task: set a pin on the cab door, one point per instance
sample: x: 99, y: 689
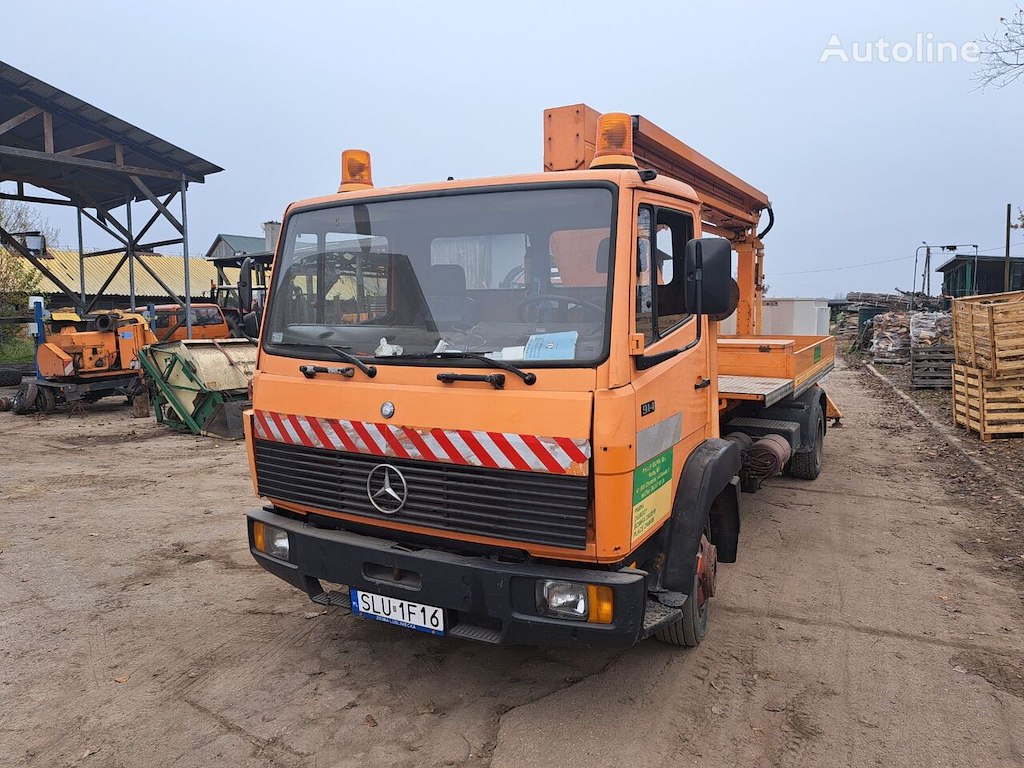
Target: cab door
x: 671, y: 394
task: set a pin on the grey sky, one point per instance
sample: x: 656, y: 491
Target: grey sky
x: 862, y: 161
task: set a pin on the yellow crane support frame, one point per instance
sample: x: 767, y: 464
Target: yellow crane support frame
x: 730, y: 207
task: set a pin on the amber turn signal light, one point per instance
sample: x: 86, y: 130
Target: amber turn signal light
x: 599, y: 599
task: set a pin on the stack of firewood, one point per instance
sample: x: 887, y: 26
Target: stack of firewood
x: 891, y: 342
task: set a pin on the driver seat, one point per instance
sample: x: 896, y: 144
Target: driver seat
x: 444, y: 288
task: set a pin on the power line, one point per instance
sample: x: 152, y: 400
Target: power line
x: 999, y: 247
x: 835, y: 269
x: 886, y: 261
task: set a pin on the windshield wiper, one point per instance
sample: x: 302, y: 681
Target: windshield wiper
x: 348, y: 357
x: 527, y: 376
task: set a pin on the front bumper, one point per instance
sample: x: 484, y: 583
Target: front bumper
x: 484, y: 599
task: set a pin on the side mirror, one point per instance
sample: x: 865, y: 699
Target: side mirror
x: 251, y: 325
x: 707, y: 266
x: 245, y: 285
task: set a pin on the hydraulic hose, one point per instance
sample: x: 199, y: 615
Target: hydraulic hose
x: 771, y: 223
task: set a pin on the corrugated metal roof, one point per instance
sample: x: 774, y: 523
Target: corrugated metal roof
x: 964, y: 258
x: 171, y: 269
x: 243, y: 243
x: 75, y: 123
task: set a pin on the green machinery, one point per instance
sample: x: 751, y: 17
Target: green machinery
x: 201, y: 385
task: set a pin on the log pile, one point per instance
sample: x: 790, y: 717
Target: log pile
x: 931, y: 329
x: 900, y: 300
x: 891, y: 342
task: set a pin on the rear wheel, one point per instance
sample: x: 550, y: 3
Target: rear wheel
x: 691, y: 627
x: 807, y: 466
x: 46, y: 400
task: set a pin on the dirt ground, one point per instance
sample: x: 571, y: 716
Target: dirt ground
x: 875, y: 618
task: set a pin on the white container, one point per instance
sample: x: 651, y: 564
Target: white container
x: 787, y: 317
x: 794, y: 317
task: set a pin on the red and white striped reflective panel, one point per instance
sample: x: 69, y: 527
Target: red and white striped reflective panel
x: 497, y: 450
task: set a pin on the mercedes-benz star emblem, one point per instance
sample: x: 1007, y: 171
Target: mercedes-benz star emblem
x: 386, y: 488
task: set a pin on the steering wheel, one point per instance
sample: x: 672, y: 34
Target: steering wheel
x: 568, y: 301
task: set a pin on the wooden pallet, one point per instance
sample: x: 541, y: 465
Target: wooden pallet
x: 990, y: 407
x: 931, y: 367
x: 988, y: 333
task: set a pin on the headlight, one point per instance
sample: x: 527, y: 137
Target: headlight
x: 571, y: 600
x: 270, y: 540
x: 564, y: 599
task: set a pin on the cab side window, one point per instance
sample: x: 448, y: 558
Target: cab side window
x: 662, y: 235
x: 644, y: 295
x: 674, y: 230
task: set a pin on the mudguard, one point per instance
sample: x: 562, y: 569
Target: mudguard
x: 711, y: 469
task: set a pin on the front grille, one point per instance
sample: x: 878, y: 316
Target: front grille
x: 505, y: 504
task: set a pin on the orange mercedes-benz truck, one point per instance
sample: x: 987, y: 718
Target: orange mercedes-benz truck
x: 500, y: 408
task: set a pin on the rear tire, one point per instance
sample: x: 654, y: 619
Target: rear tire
x: 807, y: 466
x: 46, y: 400
x: 10, y: 377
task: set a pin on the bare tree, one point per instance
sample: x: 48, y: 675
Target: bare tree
x: 17, y: 279
x: 21, y: 217
x: 1002, y: 54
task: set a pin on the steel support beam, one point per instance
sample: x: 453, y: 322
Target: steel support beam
x: 39, y: 200
x: 155, y: 217
x: 139, y: 247
x: 81, y: 257
x: 84, y: 149
x: 17, y: 120
x: 82, y: 162
x: 106, y: 283
x: 156, y: 203
x: 184, y: 251
x: 170, y: 291
x: 131, y: 256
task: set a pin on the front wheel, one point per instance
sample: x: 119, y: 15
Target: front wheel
x: 690, y: 628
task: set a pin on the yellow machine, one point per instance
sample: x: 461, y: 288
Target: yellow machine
x: 86, y: 358
x: 104, y: 344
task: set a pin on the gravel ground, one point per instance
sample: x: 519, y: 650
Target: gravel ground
x: 874, y: 618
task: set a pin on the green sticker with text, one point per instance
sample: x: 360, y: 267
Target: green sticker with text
x: 652, y: 493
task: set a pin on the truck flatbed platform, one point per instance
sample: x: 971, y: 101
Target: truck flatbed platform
x: 770, y: 369
x: 762, y: 388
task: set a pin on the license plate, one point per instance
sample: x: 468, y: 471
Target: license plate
x: 404, y: 613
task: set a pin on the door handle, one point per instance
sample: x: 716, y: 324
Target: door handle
x: 702, y: 384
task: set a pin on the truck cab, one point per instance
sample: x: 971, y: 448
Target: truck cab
x: 491, y: 408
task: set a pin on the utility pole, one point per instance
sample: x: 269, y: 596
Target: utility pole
x: 1006, y: 262
x: 926, y: 282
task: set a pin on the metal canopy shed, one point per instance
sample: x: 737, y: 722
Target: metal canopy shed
x: 96, y: 163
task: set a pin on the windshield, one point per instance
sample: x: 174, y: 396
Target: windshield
x: 518, y: 275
